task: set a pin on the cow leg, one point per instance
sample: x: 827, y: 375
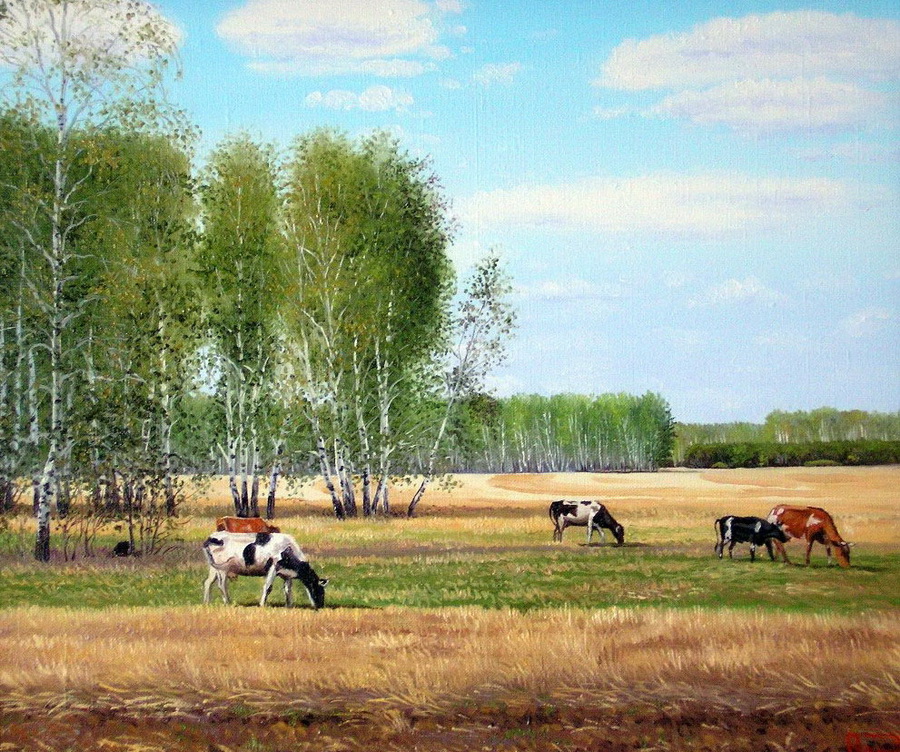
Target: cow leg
x: 222, y: 582
x: 590, y: 530
x: 731, y: 546
x: 752, y: 552
x: 208, y: 584
x: 288, y: 591
x: 267, y: 586
x: 782, y: 551
x: 557, y: 533
x: 809, y: 545
x: 769, y: 549
x: 828, y: 553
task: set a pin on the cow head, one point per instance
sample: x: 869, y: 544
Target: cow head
x: 619, y: 534
x: 842, y: 553
x: 315, y: 586
x: 316, y: 592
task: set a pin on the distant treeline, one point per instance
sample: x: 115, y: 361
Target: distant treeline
x: 563, y: 433
x: 773, y: 454
x: 522, y: 433
x: 814, y: 427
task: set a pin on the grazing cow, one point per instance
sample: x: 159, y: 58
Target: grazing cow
x: 813, y: 524
x: 245, y: 525
x: 260, y: 555
x: 732, y: 530
x: 584, y: 513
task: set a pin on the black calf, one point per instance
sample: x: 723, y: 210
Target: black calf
x: 753, y: 530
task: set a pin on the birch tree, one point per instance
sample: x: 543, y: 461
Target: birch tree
x: 149, y: 318
x: 368, y: 229
x: 483, y: 322
x: 241, y: 264
x: 75, y: 64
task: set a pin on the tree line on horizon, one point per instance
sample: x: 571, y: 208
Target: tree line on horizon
x: 824, y: 436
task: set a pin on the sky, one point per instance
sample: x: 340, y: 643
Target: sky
x: 699, y: 199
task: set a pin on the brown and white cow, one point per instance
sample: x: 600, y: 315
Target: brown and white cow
x: 812, y: 524
x: 245, y: 525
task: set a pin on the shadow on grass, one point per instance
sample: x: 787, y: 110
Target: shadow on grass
x: 306, y: 607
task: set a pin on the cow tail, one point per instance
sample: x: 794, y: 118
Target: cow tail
x: 718, y: 529
x: 206, y: 544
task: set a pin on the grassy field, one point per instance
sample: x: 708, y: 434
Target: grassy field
x: 468, y: 628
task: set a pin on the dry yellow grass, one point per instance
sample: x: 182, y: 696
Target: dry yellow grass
x: 191, y: 659
x: 865, y: 501
x: 387, y: 676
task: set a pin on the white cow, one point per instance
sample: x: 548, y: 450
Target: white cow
x: 260, y: 555
x: 590, y: 514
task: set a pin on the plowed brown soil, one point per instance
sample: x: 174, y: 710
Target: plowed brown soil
x: 688, y: 727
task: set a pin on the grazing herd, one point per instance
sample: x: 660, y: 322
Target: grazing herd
x: 255, y: 548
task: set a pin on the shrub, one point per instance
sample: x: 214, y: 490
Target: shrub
x: 808, y: 454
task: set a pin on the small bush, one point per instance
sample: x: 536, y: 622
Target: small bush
x: 821, y: 463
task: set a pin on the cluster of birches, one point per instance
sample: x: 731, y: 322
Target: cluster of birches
x: 270, y: 308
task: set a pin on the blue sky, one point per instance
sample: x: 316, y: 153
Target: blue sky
x: 699, y: 199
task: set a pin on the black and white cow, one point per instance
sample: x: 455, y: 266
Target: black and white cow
x: 260, y: 555
x: 584, y: 513
x: 756, y: 531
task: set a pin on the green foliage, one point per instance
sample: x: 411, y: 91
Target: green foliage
x: 366, y: 317
x: 822, y: 424
x: 565, y: 432
x: 771, y: 454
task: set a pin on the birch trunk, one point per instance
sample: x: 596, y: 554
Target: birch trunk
x: 325, y: 467
x: 273, y: 483
x: 432, y: 458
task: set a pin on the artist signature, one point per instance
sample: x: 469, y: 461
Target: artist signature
x: 872, y: 741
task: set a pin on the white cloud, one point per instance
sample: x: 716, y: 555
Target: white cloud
x: 571, y: 289
x: 496, y: 73
x: 737, y: 291
x: 318, y: 37
x: 858, y: 152
x: 866, y: 322
x: 768, y: 105
x: 377, y: 98
x: 776, y: 45
x: 782, y: 72
x: 451, y: 6
x: 712, y: 204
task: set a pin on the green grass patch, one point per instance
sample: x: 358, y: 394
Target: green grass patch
x: 575, y: 577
